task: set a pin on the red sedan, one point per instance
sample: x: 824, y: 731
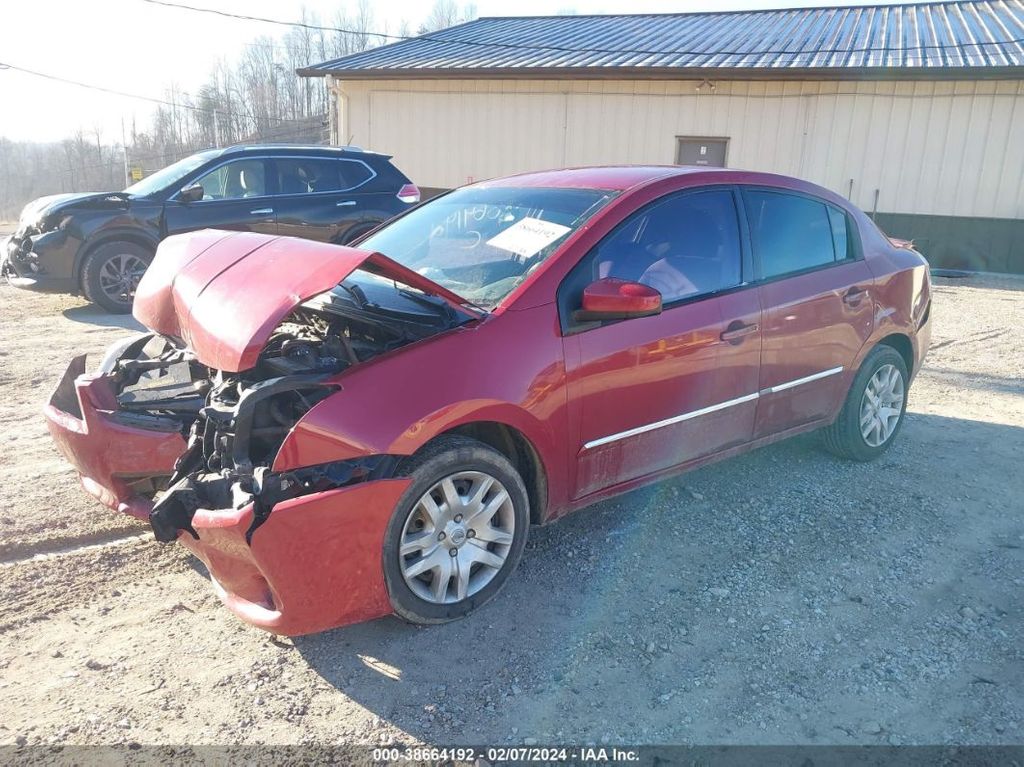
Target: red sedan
x: 341, y: 433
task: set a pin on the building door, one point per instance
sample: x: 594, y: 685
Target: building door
x: 701, y: 151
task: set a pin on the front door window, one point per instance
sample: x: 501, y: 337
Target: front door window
x: 235, y: 181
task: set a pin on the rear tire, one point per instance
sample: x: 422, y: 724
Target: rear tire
x: 875, y: 407
x: 111, y: 273
x: 457, y: 532
x: 358, y: 231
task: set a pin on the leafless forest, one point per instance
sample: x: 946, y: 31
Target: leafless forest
x: 254, y: 95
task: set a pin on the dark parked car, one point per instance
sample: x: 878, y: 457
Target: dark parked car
x: 101, y: 243
x: 375, y: 429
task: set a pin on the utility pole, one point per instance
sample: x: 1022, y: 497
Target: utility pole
x: 124, y: 151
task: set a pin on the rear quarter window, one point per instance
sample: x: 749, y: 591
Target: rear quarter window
x: 353, y: 173
x: 387, y: 179
x: 841, y: 239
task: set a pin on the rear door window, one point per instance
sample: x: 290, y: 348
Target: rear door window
x: 301, y: 175
x: 792, y: 233
x: 311, y: 175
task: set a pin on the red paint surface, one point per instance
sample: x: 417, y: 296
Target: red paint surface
x: 314, y: 564
x: 106, y: 453
x: 515, y: 368
x: 225, y: 295
x: 512, y: 367
x: 154, y: 297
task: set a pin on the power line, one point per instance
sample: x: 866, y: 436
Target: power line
x: 299, y: 24
x: 103, y: 89
x: 432, y: 37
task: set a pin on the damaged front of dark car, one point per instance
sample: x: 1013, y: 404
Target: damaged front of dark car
x: 48, y: 248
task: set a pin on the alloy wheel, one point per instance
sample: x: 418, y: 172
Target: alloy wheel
x: 457, y: 537
x: 882, y: 405
x: 120, y: 275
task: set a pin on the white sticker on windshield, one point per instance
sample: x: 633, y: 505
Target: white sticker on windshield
x: 528, y: 236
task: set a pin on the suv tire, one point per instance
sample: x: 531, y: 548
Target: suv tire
x: 111, y: 273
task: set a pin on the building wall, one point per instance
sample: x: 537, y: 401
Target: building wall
x: 950, y: 149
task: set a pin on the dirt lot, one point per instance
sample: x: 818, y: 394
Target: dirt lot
x: 782, y: 597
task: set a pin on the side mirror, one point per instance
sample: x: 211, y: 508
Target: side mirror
x: 615, y: 299
x: 192, y: 193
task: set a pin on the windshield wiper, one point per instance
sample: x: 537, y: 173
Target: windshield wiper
x: 432, y: 300
x: 475, y: 307
x: 357, y: 294
x: 447, y: 312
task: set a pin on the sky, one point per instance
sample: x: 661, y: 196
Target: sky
x: 140, y: 48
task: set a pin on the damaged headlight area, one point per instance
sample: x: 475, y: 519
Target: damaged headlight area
x: 232, y: 444
x: 234, y: 423
x: 237, y: 422
x: 159, y: 384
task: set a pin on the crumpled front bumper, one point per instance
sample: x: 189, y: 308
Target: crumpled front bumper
x: 40, y: 262
x: 107, y: 454
x: 314, y: 563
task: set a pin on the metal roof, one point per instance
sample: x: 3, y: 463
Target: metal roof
x: 965, y: 37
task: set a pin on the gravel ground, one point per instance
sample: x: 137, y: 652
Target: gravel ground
x: 782, y: 597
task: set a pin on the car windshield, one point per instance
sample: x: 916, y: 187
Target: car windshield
x: 481, y: 243
x: 166, y: 177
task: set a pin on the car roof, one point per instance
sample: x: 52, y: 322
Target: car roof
x: 609, y: 177
x: 316, y: 150
x: 623, y: 178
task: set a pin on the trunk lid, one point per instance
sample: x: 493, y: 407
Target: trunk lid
x: 224, y: 293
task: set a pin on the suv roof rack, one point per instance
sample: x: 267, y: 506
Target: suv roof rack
x: 307, y: 147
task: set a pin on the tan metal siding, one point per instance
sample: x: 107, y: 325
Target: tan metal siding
x: 929, y: 147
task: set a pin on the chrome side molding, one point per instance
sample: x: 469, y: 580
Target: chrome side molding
x: 669, y: 421
x: 710, y: 409
x: 801, y: 381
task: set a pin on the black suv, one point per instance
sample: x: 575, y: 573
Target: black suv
x: 100, y: 244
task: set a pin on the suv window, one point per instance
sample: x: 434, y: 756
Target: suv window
x: 792, y: 233
x: 235, y: 180
x: 304, y: 175
x: 353, y: 173
x: 685, y: 246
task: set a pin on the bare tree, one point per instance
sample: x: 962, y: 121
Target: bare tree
x: 446, y: 13
x: 256, y: 97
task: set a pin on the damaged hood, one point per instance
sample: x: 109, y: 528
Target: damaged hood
x: 224, y: 293
x: 45, y: 206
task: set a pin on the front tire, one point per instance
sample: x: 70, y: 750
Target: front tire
x: 111, y: 273
x: 457, y: 532
x: 874, y: 410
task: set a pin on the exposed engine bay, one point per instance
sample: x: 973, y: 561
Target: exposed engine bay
x: 235, y: 423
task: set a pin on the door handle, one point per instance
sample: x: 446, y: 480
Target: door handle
x: 854, y: 296
x: 344, y: 203
x: 261, y: 212
x: 737, y: 331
